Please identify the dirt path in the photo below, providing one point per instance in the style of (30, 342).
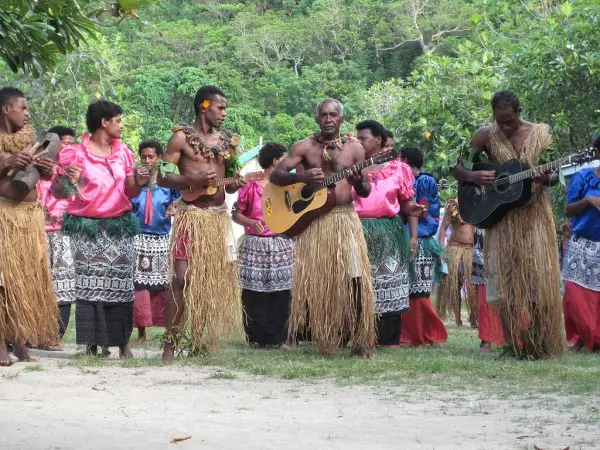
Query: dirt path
(51, 405)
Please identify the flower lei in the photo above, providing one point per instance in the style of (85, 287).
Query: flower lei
(15, 142)
(225, 149)
(331, 144)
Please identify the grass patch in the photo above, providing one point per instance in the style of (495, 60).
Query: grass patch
(220, 375)
(456, 364)
(12, 375)
(33, 368)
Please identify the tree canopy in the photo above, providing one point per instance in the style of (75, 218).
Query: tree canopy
(425, 68)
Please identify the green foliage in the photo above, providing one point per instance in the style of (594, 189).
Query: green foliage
(34, 33)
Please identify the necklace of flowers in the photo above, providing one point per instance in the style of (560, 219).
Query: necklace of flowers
(331, 144)
(224, 149)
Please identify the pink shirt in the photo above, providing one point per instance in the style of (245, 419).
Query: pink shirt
(101, 189)
(249, 203)
(54, 208)
(392, 184)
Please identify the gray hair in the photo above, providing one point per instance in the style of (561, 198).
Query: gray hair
(337, 103)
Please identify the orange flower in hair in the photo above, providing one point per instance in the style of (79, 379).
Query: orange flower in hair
(205, 104)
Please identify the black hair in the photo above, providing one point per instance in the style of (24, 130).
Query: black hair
(413, 156)
(62, 131)
(205, 93)
(102, 109)
(505, 99)
(377, 130)
(596, 143)
(268, 152)
(151, 143)
(389, 135)
(9, 94)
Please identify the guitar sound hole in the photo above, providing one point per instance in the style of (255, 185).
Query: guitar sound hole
(307, 192)
(502, 183)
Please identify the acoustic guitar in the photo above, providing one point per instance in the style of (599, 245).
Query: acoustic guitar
(194, 192)
(485, 205)
(289, 210)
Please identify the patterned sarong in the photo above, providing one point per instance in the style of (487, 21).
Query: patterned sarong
(152, 261)
(581, 263)
(62, 267)
(266, 263)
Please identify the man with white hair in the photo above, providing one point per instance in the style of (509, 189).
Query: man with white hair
(332, 289)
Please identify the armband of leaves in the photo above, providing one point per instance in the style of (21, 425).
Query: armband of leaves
(165, 168)
(232, 165)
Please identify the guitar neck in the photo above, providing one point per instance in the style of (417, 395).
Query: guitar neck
(551, 166)
(253, 176)
(332, 179)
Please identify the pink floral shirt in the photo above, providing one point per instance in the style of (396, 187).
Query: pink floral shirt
(249, 203)
(100, 193)
(392, 184)
(54, 208)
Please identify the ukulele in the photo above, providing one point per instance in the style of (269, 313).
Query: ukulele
(194, 192)
(289, 210)
(485, 205)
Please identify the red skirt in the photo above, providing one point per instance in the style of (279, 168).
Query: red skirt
(582, 315)
(421, 325)
(149, 308)
(490, 324)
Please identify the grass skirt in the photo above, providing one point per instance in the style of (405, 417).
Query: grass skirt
(211, 294)
(460, 260)
(332, 280)
(522, 258)
(28, 307)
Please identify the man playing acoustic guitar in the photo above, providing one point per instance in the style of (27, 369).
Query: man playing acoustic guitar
(204, 283)
(522, 264)
(332, 274)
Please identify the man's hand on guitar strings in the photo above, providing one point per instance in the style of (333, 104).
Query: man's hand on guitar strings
(482, 176)
(239, 182)
(312, 176)
(203, 178)
(539, 176)
(355, 178)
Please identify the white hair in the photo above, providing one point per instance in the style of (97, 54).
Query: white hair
(337, 103)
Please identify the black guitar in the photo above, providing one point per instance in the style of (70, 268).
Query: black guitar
(485, 205)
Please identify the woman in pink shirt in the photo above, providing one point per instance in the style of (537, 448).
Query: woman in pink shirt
(100, 174)
(265, 261)
(59, 246)
(387, 240)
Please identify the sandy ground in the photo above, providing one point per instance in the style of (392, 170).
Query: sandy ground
(58, 406)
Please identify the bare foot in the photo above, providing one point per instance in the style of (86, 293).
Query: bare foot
(168, 352)
(105, 352)
(125, 352)
(576, 347)
(285, 347)
(485, 347)
(91, 350)
(22, 353)
(139, 341)
(361, 351)
(5, 360)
